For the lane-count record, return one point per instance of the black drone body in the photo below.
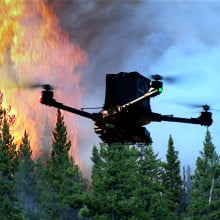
(127, 109)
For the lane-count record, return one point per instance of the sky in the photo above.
(171, 38)
(84, 40)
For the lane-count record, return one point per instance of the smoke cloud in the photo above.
(167, 37)
(138, 35)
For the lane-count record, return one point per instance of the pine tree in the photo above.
(186, 194)
(64, 185)
(114, 183)
(41, 188)
(188, 185)
(60, 146)
(26, 188)
(172, 179)
(206, 185)
(214, 213)
(9, 206)
(153, 203)
(94, 197)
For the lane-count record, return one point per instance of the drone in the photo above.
(127, 108)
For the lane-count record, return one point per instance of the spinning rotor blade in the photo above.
(168, 79)
(39, 85)
(24, 85)
(205, 107)
(34, 85)
(178, 77)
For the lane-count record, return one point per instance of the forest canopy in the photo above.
(128, 181)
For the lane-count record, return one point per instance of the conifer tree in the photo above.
(64, 185)
(9, 206)
(26, 188)
(114, 183)
(94, 196)
(153, 203)
(205, 197)
(172, 179)
(186, 194)
(42, 187)
(60, 144)
(97, 164)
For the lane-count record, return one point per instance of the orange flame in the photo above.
(33, 47)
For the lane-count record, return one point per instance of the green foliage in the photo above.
(26, 187)
(61, 195)
(60, 145)
(128, 182)
(153, 201)
(9, 206)
(206, 186)
(114, 182)
(171, 179)
(187, 188)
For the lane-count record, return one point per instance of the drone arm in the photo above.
(54, 103)
(181, 120)
(74, 110)
(203, 119)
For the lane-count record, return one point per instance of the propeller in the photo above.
(169, 79)
(25, 85)
(205, 107)
(40, 85)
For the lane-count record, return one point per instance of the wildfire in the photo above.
(34, 48)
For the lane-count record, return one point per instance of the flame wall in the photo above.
(34, 48)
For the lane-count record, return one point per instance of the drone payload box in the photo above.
(123, 88)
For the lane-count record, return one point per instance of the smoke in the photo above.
(111, 32)
(167, 37)
(114, 34)
(137, 35)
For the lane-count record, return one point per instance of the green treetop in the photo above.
(205, 194)
(26, 189)
(60, 145)
(172, 179)
(9, 206)
(64, 183)
(153, 201)
(25, 152)
(114, 183)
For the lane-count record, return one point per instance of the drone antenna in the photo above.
(91, 108)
